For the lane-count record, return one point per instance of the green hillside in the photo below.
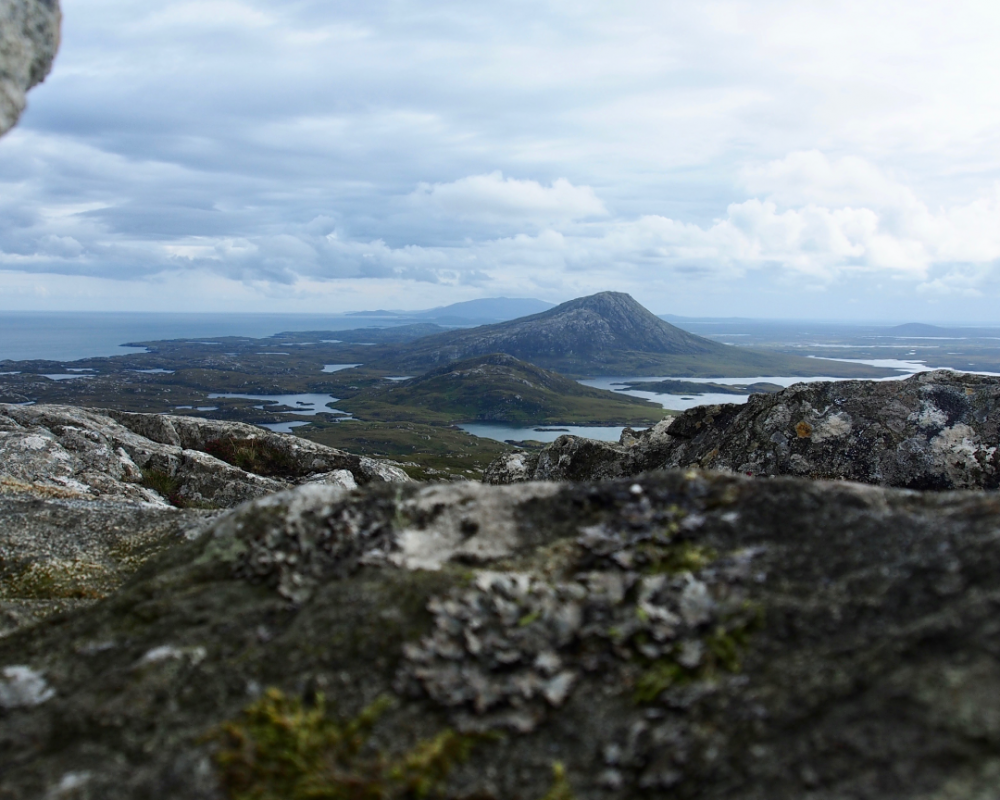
(498, 388)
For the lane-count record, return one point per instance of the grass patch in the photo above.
(164, 484)
(253, 455)
(59, 580)
(281, 750)
(426, 452)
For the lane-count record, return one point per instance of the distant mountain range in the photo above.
(920, 330)
(469, 312)
(610, 334)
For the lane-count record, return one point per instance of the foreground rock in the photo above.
(61, 553)
(703, 635)
(937, 430)
(87, 496)
(90, 453)
(29, 38)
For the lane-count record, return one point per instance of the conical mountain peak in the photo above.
(608, 333)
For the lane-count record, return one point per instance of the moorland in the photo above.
(399, 391)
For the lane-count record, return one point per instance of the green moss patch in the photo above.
(561, 790)
(279, 749)
(724, 646)
(674, 557)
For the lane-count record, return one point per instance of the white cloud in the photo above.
(811, 178)
(758, 144)
(492, 197)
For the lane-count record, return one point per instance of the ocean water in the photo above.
(68, 336)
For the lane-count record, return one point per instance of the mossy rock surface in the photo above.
(685, 635)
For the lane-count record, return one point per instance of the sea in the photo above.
(69, 336)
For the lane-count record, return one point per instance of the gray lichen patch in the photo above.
(515, 644)
(464, 522)
(23, 687)
(294, 540)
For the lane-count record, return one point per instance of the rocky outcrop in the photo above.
(291, 457)
(937, 430)
(62, 553)
(29, 38)
(87, 496)
(703, 635)
(153, 458)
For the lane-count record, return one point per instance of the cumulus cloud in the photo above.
(736, 148)
(493, 197)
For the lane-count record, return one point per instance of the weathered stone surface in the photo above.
(29, 38)
(59, 553)
(702, 635)
(91, 453)
(303, 457)
(936, 430)
(85, 500)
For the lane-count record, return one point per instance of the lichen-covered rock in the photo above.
(936, 430)
(154, 458)
(59, 551)
(515, 466)
(85, 500)
(298, 457)
(29, 38)
(701, 635)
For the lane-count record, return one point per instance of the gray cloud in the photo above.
(711, 158)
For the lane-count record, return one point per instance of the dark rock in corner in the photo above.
(706, 635)
(29, 38)
(936, 430)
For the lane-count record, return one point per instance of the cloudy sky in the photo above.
(761, 158)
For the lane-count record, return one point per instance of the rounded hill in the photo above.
(499, 388)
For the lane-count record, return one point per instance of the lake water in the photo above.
(306, 405)
(338, 367)
(281, 427)
(684, 402)
(502, 433)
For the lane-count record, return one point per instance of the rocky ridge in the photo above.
(86, 496)
(936, 430)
